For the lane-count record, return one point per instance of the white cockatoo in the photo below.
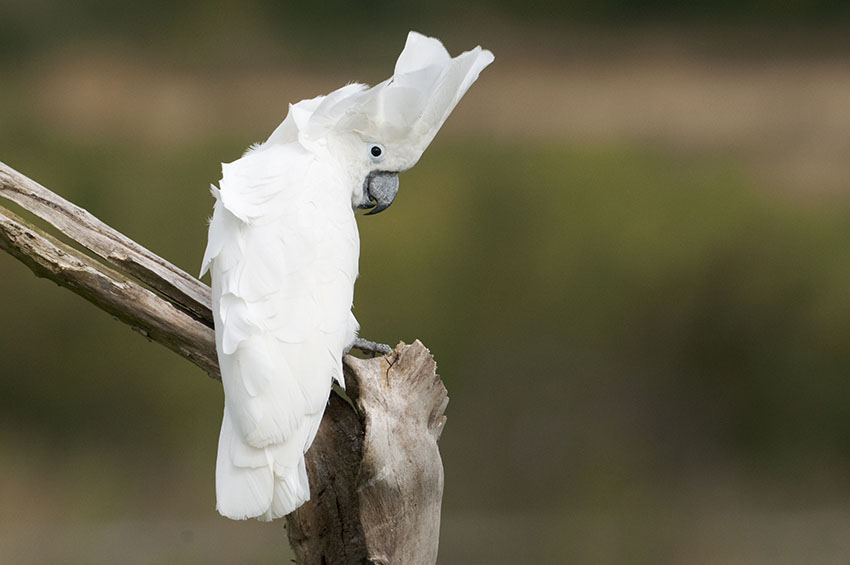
(283, 251)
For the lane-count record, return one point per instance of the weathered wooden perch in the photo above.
(397, 493)
(376, 477)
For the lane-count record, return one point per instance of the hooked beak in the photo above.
(381, 188)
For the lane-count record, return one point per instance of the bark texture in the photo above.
(396, 495)
(183, 289)
(376, 477)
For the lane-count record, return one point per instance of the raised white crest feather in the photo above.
(283, 251)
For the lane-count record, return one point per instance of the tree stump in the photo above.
(376, 477)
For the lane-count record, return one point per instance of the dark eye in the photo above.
(377, 152)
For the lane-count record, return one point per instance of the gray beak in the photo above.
(381, 188)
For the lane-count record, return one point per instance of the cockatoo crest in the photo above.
(404, 112)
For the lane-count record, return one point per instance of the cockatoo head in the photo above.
(375, 133)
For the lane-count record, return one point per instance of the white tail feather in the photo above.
(259, 486)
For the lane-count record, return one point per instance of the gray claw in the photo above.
(372, 347)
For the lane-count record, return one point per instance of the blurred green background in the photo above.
(628, 249)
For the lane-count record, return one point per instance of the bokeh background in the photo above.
(628, 249)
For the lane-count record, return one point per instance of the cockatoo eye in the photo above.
(377, 152)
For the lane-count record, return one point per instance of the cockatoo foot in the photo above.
(370, 347)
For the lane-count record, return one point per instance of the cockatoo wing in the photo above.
(283, 250)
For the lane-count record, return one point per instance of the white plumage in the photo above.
(283, 251)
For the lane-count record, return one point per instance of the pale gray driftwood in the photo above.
(376, 477)
(397, 495)
(184, 290)
(146, 312)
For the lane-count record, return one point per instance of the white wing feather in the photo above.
(283, 250)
